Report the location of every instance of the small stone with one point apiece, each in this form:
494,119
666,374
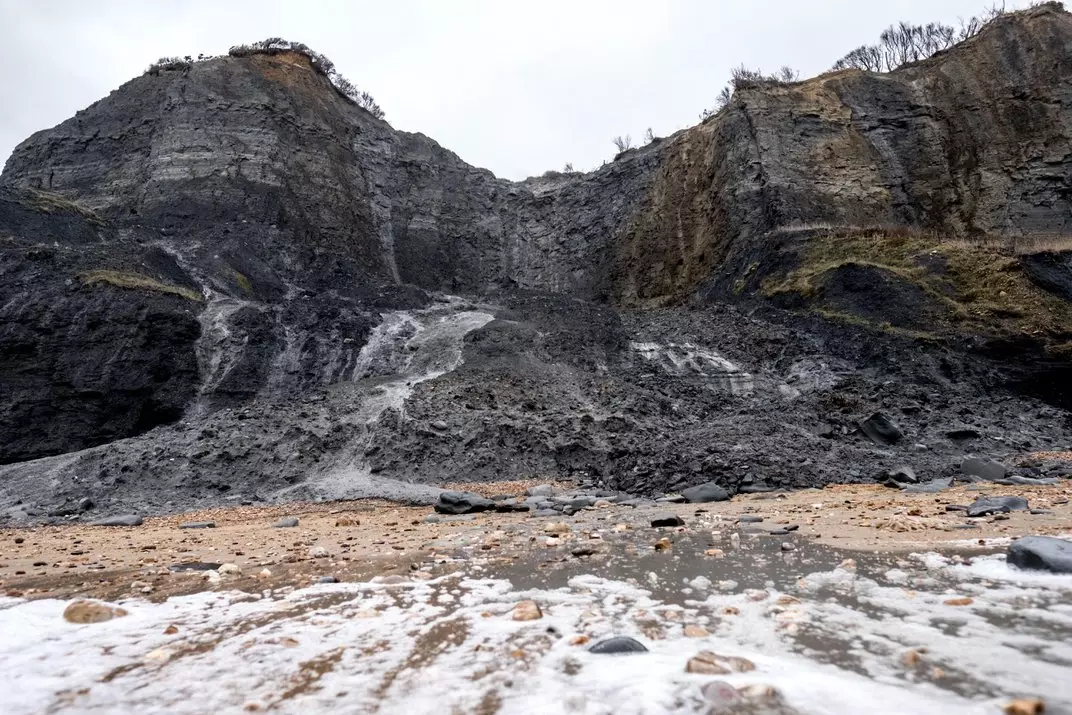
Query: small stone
731,611
198,525
288,522
124,520
584,551
722,695
527,611
602,504
911,658
540,490
579,640
264,573
704,493
170,630
1025,706
318,552
778,532
82,612
788,546
984,506
696,631
159,655
708,663
451,502
557,527
212,576
19,540
714,553
662,521
229,570
327,579
964,601
749,519
618,644
663,544
347,521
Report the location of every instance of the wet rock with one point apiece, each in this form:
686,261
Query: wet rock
880,429
722,696
983,468
779,531
193,566
546,512
788,546
1017,480
617,645
318,552
703,493
526,611
695,631
1024,706
671,520
540,490
288,522
91,612
439,425
123,520
902,475
1045,553
327,579
462,503
198,525
984,506
584,551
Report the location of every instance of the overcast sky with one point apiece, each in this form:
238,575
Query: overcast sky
516,87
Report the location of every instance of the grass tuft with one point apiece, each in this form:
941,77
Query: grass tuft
137,281
49,203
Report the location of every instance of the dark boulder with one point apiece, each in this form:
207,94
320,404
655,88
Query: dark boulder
984,468
880,429
661,521
708,492
462,503
1044,553
984,506
618,645
124,520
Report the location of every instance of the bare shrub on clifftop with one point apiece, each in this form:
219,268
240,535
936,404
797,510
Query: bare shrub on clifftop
623,143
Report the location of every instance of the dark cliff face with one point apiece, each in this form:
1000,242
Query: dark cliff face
233,232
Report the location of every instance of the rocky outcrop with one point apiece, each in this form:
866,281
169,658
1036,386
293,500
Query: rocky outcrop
233,257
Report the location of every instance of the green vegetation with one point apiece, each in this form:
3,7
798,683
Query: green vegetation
981,283
243,282
137,281
49,203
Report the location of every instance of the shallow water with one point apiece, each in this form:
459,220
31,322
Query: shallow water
829,634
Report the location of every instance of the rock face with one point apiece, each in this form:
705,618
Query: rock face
281,296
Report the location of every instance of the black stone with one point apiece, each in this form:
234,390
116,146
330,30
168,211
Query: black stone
667,521
193,566
198,525
1044,553
618,644
880,429
985,506
462,503
703,493
124,520
749,519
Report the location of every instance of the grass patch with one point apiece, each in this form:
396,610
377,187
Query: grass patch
981,282
137,281
243,282
50,203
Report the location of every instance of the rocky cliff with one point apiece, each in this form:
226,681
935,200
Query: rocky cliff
261,278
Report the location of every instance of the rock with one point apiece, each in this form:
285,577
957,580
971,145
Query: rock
932,487
264,573
1024,706
506,506
963,601
1017,480
671,499
347,521
722,696
557,527
526,611
83,611
124,520
961,434
985,506
546,512
85,504
319,552
462,503
618,645
792,527
327,579
193,566
540,490
198,525
880,429
695,631
788,546
1040,512
983,468
709,663
287,522
956,507
703,493
229,570
663,544
672,520
749,519
439,425
1044,553
584,551
903,475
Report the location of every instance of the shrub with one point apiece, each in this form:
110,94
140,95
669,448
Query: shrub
168,64
346,88
623,143
743,78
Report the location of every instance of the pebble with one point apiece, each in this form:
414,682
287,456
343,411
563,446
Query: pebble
714,553
91,612
964,601
787,546
709,663
779,532
749,519
327,579
527,611
722,695
618,644
286,523
1025,706
663,544
198,525
124,520
584,551
557,527
264,573
346,521
229,570
318,552
696,631
662,521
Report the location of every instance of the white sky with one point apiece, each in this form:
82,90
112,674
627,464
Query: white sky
518,88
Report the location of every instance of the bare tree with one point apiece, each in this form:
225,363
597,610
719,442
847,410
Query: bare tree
623,143
649,136
568,168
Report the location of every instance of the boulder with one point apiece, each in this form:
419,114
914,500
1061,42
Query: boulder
982,467
703,493
617,645
1044,553
670,520
540,490
123,520
288,522
880,429
462,503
